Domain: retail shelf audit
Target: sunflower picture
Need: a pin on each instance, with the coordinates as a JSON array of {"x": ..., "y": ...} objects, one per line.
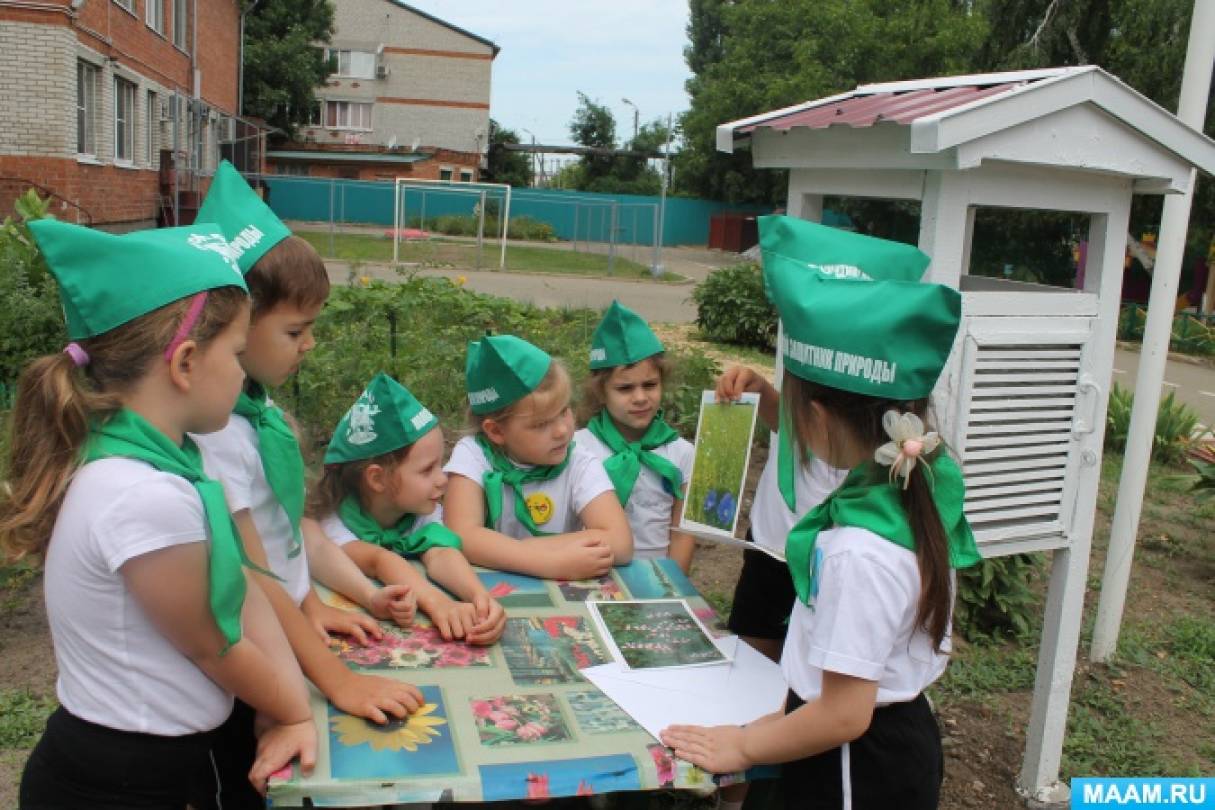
[{"x": 416, "y": 745}]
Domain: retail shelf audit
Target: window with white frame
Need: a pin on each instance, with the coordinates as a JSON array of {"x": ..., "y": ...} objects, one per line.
[
  {"x": 86, "y": 108},
  {"x": 352, "y": 64},
  {"x": 466, "y": 175},
  {"x": 129, "y": 5},
  {"x": 155, "y": 15},
  {"x": 180, "y": 23},
  {"x": 347, "y": 115},
  {"x": 152, "y": 117},
  {"x": 124, "y": 120},
  {"x": 445, "y": 172}
]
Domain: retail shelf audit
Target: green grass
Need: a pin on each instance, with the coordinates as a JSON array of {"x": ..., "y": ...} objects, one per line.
[
  {"x": 22, "y": 717},
  {"x": 463, "y": 255}
]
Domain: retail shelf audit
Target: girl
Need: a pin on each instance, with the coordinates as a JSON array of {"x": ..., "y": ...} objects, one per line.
[
  {"x": 154, "y": 625},
  {"x": 522, "y": 496},
  {"x": 871, "y": 564},
  {"x": 647, "y": 461},
  {"x": 379, "y": 500}
]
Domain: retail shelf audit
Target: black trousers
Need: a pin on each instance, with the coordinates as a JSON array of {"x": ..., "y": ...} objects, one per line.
[
  {"x": 235, "y": 748},
  {"x": 896, "y": 765},
  {"x": 78, "y": 764}
]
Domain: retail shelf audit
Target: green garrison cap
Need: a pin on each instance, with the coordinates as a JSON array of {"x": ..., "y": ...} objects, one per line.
[
  {"x": 106, "y": 280},
  {"x": 837, "y": 253},
  {"x": 246, "y": 221},
  {"x": 622, "y": 338},
  {"x": 384, "y": 418},
  {"x": 886, "y": 339},
  {"x": 502, "y": 369}
]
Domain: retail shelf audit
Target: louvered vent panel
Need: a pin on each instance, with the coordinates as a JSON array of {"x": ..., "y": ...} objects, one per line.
[{"x": 1018, "y": 434}]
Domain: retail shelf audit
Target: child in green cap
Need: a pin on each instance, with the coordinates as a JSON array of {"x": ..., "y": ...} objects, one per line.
[
  {"x": 257, "y": 458},
  {"x": 380, "y": 499},
  {"x": 154, "y": 626},
  {"x": 872, "y": 564},
  {"x": 648, "y": 462},
  {"x": 522, "y": 496}
]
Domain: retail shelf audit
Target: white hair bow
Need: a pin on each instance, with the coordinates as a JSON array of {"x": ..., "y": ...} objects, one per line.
[{"x": 909, "y": 442}]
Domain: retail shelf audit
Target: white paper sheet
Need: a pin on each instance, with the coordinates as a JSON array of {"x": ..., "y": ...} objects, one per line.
[{"x": 723, "y": 694}]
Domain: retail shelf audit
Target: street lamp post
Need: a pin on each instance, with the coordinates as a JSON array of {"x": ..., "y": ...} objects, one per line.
[
  {"x": 533, "y": 153},
  {"x": 636, "y": 117}
]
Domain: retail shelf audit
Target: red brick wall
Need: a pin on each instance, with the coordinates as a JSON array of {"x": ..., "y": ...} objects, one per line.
[
  {"x": 110, "y": 194},
  {"x": 422, "y": 170},
  {"x": 219, "y": 51}
]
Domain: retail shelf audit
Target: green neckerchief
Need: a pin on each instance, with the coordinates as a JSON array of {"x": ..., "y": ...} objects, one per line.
[
  {"x": 868, "y": 500},
  {"x": 280, "y": 454},
  {"x": 504, "y": 473},
  {"x": 624, "y": 465},
  {"x": 399, "y": 538},
  {"x": 126, "y": 434}
]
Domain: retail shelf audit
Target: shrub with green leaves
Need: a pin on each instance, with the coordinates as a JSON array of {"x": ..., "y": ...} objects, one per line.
[
  {"x": 732, "y": 307},
  {"x": 996, "y": 598},
  {"x": 1176, "y": 424},
  {"x": 31, "y": 321}
]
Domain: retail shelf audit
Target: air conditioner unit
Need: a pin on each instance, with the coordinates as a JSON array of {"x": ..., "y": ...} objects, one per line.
[{"x": 381, "y": 71}]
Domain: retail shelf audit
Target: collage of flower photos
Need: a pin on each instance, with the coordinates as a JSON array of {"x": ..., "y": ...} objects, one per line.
[{"x": 485, "y": 706}]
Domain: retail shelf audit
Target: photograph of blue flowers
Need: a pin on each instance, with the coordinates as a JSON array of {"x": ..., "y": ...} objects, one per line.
[
  {"x": 419, "y": 745},
  {"x": 719, "y": 466}
]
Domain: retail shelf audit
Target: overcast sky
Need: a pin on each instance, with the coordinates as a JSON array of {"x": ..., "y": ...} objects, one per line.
[{"x": 551, "y": 49}]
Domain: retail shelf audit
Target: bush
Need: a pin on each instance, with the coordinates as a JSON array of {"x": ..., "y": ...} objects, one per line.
[
  {"x": 418, "y": 330},
  {"x": 1176, "y": 424},
  {"x": 1189, "y": 335},
  {"x": 526, "y": 228},
  {"x": 31, "y": 320},
  {"x": 732, "y": 307},
  {"x": 996, "y": 598}
]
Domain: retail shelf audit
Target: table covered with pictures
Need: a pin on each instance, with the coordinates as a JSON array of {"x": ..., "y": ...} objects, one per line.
[{"x": 512, "y": 721}]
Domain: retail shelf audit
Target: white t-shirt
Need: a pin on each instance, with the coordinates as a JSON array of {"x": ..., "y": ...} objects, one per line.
[
  {"x": 649, "y": 506},
  {"x": 231, "y": 456},
  {"x": 565, "y": 496},
  {"x": 771, "y": 519},
  {"x": 115, "y": 667},
  {"x": 340, "y": 534},
  {"x": 862, "y": 620}
]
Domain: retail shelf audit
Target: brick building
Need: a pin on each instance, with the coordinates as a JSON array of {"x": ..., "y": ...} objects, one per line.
[
  {"x": 410, "y": 98},
  {"x": 119, "y": 108}
]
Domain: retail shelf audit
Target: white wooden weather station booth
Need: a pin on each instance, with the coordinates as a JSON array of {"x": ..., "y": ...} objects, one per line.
[{"x": 1023, "y": 400}]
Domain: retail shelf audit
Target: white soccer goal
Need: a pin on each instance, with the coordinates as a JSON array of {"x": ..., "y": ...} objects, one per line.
[{"x": 482, "y": 191}]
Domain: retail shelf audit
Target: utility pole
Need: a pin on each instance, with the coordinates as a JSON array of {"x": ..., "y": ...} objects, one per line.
[
  {"x": 636, "y": 119},
  {"x": 1191, "y": 109},
  {"x": 662, "y": 200}
]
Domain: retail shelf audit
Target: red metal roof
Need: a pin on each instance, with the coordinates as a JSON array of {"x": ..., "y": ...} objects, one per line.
[{"x": 866, "y": 110}]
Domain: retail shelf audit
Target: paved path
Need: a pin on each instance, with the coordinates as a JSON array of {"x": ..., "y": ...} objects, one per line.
[{"x": 671, "y": 303}]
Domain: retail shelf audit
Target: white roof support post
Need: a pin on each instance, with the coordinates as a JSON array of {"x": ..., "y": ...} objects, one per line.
[
  {"x": 1069, "y": 566},
  {"x": 945, "y": 225},
  {"x": 1195, "y": 89}
]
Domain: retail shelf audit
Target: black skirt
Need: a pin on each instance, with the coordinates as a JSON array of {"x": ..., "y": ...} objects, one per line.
[
  {"x": 763, "y": 597},
  {"x": 78, "y": 764},
  {"x": 896, "y": 763}
]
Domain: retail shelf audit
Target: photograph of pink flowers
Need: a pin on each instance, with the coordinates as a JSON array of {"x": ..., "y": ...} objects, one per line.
[
  {"x": 417, "y": 647},
  {"x": 654, "y": 634},
  {"x": 519, "y": 720}
]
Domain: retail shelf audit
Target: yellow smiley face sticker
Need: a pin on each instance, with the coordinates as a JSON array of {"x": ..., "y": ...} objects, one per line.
[{"x": 541, "y": 508}]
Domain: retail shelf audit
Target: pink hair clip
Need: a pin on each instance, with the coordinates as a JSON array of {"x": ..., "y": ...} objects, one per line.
[
  {"x": 187, "y": 323},
  {"x": 75, "y": 351}
]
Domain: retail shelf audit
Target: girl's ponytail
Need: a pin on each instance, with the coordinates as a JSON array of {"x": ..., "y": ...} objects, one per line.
[
  {"x": 932, "y": 555},
  {"x": 50, "y": 421}
]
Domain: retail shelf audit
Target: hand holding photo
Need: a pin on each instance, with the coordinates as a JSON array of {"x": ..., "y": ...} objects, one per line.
[
  {"x": 719, "y": 466},
  {"x": 655, "y": 634}
]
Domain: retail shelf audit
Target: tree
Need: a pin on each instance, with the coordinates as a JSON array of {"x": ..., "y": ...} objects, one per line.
[
  {"x": 505, "y": 166},
  {"x": 594, "y": 125},
  {"x": 284, "y": 60},
  {"x": 747, "y": 58}
]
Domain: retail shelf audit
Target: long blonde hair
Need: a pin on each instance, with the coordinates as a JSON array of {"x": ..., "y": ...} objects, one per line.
[{"x": 56, "y": 403}]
